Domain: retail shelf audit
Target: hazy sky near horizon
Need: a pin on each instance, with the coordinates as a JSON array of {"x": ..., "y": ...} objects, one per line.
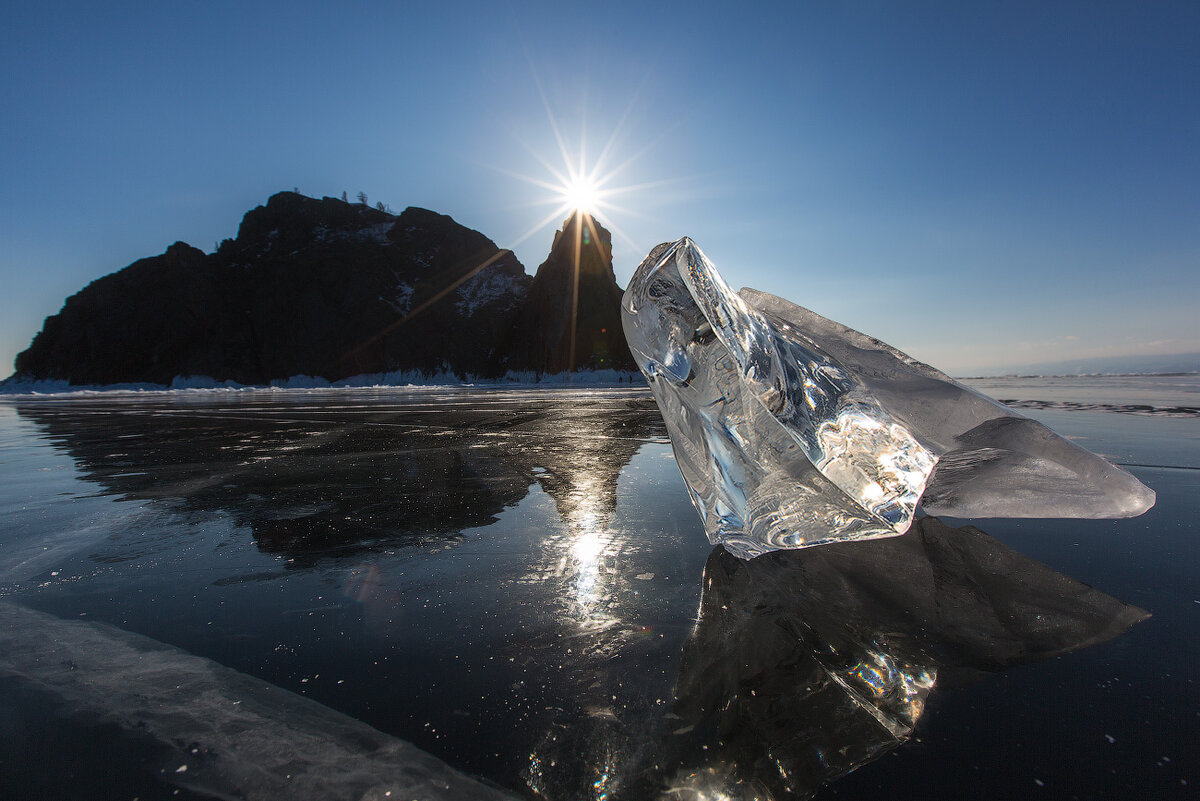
[{"x": 980, "y": 185}]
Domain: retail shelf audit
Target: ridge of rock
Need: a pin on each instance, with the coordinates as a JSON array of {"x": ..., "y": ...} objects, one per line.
[
  {"x": 332, "y": 289},
  {"x": 313, "y": 287}
]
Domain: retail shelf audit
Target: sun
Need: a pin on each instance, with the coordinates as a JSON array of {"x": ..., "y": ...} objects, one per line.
[
  {"x": 580, "y": 187},
  {"x": 581, "y": 195}
]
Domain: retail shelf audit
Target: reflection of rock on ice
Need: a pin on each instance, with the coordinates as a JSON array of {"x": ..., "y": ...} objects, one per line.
[
  {"x": 223, "y": 732},
  {"x": 805, "y": 665},
  {"x": 376, "y": 593},
  {"x": 582, "y": 554}
]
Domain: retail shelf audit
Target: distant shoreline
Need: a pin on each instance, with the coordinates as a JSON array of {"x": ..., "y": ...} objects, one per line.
[
  {"x": 412, "y": 379},
  {"x": 1076, "y": 375},
  {"x": 1107, "y": 399},
  {"x": 599, "y": 379}
]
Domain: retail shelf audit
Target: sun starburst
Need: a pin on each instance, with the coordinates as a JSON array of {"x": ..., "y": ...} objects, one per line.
[
  {"x": 581, "y": 191},
  {"x": 582, "y": 195},
  {"x": 577, "y": 185}
]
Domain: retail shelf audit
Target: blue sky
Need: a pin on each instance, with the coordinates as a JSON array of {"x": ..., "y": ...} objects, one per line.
[{"x": 980, "y": 185}]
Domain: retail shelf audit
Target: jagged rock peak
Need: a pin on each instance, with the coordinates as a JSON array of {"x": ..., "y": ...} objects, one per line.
[
  {"x": 571, "y": 317},
  {"x": 594, "y": 243}
]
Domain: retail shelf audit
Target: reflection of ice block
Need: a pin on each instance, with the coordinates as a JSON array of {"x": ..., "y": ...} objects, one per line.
[
  {"x": 805, "y": 665},
  {"x": 793, "y": 430}
]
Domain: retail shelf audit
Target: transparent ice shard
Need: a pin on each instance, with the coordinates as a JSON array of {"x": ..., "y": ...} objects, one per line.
[{"x": 793, "y": 430}]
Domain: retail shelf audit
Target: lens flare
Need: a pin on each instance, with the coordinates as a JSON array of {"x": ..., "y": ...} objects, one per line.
[{"x": 581, "y": 186}]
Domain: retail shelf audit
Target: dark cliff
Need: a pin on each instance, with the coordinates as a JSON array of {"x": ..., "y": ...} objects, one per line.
[
  {"x": 548, "y": 337},
  {"x": 333, "y": 289}
]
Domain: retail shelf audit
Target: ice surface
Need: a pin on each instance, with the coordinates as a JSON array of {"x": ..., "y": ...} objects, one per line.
[
  {"x": 793, "y": 430},
  {"x": 805, "y": 665},
  {"x": 222, "y": 733}
]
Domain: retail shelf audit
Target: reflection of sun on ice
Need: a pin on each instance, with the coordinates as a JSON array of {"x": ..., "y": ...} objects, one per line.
[
  {"x": 586, "y": 549},
  {"x": 585, "y": 553},
  {"x": 591, "y": 546}
]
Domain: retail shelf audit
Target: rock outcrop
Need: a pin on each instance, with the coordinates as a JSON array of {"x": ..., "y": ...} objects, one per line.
[
  {"x": 578, "y": 274},
  {"x": 333, "y": 289}
]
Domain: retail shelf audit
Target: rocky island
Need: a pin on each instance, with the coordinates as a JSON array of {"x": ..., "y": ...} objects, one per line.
[{"x": 332, "y": 289}]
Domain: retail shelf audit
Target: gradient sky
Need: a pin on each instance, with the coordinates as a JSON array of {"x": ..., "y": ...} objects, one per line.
[{"x": 979, "y": 185}]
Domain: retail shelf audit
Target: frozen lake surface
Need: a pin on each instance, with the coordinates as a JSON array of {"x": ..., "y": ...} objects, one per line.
[
  {"x": 1158, "y": 395},
  {"x": 456, "y": 593}
]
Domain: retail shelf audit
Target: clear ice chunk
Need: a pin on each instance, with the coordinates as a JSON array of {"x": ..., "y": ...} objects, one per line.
[{"x": 793, "y": 430}]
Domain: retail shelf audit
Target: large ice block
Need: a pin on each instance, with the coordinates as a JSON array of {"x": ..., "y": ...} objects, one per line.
[{"x": 793, "y": 430}]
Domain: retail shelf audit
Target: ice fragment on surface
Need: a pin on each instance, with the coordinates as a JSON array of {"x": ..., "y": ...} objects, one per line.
[
  {"x": 251, "y": 740},
  {"x": 793, "y": 430}
]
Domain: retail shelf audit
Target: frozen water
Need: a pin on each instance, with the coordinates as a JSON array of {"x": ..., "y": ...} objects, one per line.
[
  {"x": 805, "y": 665},
  {"x": 221, "y": 733},
  {"x": 793, "y": 430},
  {"x": 513, "y": 582}
]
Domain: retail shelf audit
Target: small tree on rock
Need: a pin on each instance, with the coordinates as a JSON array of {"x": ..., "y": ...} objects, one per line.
[{"x": 362, "y": 198}]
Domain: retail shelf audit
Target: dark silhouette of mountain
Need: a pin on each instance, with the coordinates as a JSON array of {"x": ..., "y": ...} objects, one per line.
[
  {"x": 547, "y": 336},
  {"x": 333, "y": 289}
]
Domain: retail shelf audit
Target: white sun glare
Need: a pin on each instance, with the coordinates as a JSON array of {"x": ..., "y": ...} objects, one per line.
[
  {"x": 581, "y": 186},
  {"x": 599, "y": 186},
  {"x": 581, "y": 194}
]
